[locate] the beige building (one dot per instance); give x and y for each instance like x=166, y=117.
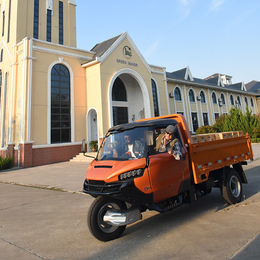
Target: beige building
x=54, y=95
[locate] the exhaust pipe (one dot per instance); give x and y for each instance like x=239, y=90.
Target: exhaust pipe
x=122, y=217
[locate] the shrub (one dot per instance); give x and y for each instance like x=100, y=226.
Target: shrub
x=205, y=129
x=219, y=125
x=6, y=163
x=255, y=140
x=236, y=121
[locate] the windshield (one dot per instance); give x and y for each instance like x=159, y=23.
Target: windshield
x=124, y=145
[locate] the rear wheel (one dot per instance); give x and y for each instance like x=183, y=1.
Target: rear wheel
x=232, y=187
x=98, y=227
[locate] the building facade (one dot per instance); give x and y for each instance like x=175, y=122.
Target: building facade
x=54, y=95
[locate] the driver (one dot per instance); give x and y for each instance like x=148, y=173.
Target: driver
x=132, y=148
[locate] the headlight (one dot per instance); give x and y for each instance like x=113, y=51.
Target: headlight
x=131, y=174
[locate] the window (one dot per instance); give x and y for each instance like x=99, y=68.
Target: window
x=48, y=30
x=238, y=100
x=214, y=98
x=205, y=119
x=155, y=99
x=223, y=99
x=119, y=91
x=202, y=97
x=1, y=55
x=246, y=101
x=180, y=113
x=3, y=25
x=177, y=94
x=120, y=115
x=191, y=96
x=9, y=21
x=232, y=100
x=36, y=19
x=252, y=102
x=216, y=115
x=60, y=22
x=60, y=104
x=194, y=121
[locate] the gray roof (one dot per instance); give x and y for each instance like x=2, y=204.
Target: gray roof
x=253, y=86
x=209, y=81
x=179, y=74
x=102, y=47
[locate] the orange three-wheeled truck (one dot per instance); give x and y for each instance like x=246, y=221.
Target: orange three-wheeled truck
x=125, y=185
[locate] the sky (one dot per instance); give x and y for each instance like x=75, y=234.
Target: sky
x=209, y=36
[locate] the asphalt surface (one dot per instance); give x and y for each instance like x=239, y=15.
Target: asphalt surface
x=43, y=216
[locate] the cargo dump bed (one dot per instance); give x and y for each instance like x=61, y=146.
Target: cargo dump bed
x=215, y=151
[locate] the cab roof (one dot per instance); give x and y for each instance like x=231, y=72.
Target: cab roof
x=153, y=122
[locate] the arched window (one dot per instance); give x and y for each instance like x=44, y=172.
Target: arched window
x=191, y=96
x=246, y=101
x=214, y=98
x=202, y=97
x=238, y=100
x=119, y=91
x=155, y=99
x=60, y=104
x=223, y=99
x=232, y=100
x=252, y=102
x=177, y=94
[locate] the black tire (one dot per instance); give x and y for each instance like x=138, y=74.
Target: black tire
x=232, y=187
x=100, y=229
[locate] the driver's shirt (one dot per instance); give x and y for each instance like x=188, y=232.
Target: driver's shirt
x=130, y=149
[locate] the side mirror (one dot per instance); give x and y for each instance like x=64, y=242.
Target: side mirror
x=149, y=138
x=83, y=146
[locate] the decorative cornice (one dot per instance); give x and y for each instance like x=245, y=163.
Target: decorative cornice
x=61, y=53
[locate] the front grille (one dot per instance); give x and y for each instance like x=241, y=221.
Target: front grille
x=100, y=187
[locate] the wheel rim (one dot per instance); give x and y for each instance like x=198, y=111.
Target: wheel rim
x=235, y=186
x=107, y=228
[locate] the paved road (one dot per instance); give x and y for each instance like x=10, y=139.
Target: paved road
x=39, y=221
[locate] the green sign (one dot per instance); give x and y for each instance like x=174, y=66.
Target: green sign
x=127, y=52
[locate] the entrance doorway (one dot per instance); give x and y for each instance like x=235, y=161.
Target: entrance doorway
x=127, y=100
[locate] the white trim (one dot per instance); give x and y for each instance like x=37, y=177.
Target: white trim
x=157, y=72
x=125, y=35
x=211, y=107
x=72, y=120
x=188, y=74
x=61, y=53
x=166, y=92
x=54, y=145
x=3, y=112
x=144, y=89
x=59, y=45
x=186, y=98
x=158, y=97
x=11, y=100
x=29, y=111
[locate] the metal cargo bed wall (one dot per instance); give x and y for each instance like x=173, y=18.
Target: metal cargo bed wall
x=212, y=155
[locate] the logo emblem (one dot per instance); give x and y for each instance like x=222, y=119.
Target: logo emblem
x=127, y=52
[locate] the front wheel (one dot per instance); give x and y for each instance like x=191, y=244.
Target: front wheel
x=98, y=227
x=232, y=187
